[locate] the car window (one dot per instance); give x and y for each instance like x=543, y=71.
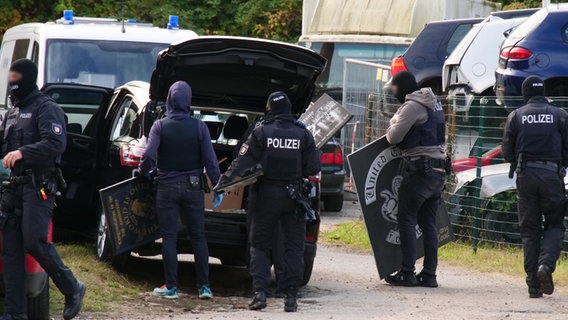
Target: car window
x=457, y=36
x=20, y=49
x=79, y=107
x=35, y=53
x=124, y=123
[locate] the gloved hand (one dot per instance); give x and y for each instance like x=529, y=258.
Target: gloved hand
x=217, y=199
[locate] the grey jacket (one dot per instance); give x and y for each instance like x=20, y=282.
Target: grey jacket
x=413, y=112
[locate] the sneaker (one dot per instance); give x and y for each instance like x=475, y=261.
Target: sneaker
x=74, y=302
x=258, y=301
x=426, y=280
x=535, y=293
x=290, y=302
x=544, y=275
x=402, y=279
x=164, y=292
x=205, y=293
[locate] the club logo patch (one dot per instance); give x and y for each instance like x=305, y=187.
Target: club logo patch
x=57, y=129
x=244, y=149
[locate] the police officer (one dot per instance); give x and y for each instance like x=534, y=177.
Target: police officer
x=536, y=141
x=287, y=153
x=33, y=139
x=180, y=146
x=418, y=129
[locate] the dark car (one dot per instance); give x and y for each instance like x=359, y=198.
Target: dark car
x=537, y=47
x=332, y=176
x=427, y=53
x=231, y=79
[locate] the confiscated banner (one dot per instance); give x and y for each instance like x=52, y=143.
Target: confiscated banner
x=324, y=119
x=375, y=171
x=130, y=210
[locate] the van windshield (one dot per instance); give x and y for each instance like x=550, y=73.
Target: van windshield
x=100, y=63
x=336, y=53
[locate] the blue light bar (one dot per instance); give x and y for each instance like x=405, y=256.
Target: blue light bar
x=173, y=23
x=68, y=16
x=131, y=20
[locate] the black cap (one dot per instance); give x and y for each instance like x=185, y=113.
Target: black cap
x=406, y=84
x=279, y=103
x=533, y=86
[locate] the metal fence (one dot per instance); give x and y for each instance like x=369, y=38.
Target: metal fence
x=480, y=197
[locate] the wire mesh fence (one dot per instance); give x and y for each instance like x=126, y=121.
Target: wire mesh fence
x=480, y=197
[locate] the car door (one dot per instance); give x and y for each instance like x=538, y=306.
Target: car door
x=85, y=108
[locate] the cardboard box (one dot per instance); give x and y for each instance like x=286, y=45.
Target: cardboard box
x=232, y=200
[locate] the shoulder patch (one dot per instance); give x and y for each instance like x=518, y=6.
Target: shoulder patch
x=244, y=149
x=299, y=123
x=57, y=129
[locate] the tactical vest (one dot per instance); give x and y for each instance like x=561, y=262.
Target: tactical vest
x=180, y=148
x=428, y=134
x=283, y=143
x=539, y=132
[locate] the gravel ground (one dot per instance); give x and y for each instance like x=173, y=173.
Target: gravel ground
x=345, y=285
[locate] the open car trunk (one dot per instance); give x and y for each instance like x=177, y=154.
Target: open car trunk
x=238, y=73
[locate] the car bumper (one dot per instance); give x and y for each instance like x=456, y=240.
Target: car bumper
x=310, y=251
x=332, y=183
x=508, y=84
x=35, y=282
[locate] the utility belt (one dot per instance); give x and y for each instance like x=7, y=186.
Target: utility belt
x=46, y=182
x=553, y=166
x=426, y=165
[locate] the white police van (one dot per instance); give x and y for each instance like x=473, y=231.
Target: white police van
x=91, y=51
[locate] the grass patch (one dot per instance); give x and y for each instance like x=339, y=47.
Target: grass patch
x=105, y=286
x=488, y=258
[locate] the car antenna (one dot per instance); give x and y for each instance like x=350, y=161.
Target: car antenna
x=122, y=15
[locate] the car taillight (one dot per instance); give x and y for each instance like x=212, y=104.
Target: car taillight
x=515, y=53
x=310, y=238
x=398, y=65
x=335, y=157
x=130, y=156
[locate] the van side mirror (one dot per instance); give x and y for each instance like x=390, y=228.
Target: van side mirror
x=507, y=32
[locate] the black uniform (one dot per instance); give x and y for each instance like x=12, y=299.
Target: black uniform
x=536, y=140
x=35, y=125
x=287, y=153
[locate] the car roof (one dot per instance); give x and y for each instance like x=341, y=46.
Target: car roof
x=511, y=14
x=140, y=90
x=107, y=31
x=455, y=21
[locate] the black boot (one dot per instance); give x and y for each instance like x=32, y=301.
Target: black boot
x=544, y=275
x=426, y=280
x=74, y=302
x=291, y=300
x=401, y=278
x=535, y=293
x=258, y=301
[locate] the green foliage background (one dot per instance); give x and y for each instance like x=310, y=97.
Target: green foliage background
x=272, y=19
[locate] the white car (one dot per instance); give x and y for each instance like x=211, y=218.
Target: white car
x=470, y=70
x=89, y=51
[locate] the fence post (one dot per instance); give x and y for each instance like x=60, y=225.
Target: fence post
x=477, y=192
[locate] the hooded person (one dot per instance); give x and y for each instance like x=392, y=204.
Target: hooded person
x=418, y=129
x=179, y=147
x=23, y=85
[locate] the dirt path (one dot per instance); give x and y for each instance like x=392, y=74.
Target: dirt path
x=345, y=285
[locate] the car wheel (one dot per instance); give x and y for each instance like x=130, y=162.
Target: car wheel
x=104, y=250
x=38, y=307
x=308, y=268
x=333, y=203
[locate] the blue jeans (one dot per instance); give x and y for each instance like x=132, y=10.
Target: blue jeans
x=176, y=199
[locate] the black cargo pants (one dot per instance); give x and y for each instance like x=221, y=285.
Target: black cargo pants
x=274, y=208
x=540, y=193
x=419, y=199
x=26, y=232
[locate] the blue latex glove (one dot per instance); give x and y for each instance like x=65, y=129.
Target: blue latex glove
x=217, y=199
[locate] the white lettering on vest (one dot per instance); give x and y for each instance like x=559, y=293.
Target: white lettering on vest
x=279, y=143
x=537, y=118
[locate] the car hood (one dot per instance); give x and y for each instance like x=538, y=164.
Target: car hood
x=238, y=73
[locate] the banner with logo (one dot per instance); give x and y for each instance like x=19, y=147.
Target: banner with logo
x=130, y=211
x=324, y=119
x=375, y=171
